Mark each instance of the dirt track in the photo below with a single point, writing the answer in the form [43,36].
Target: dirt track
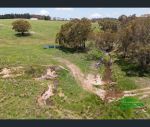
[82,80]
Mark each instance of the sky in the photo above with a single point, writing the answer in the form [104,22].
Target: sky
[78,12]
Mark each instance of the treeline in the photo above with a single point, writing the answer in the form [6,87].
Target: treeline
[128,37]
[25,16]
[98,19]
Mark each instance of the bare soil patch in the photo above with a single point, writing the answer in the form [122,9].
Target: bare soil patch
[95,79]
[11,72]
[42,99]
[50,74]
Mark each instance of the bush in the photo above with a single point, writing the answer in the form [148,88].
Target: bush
[123,82]
[102,69]
[113,111]
[94,54]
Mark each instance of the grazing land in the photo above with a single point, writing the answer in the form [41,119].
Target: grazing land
[19,94]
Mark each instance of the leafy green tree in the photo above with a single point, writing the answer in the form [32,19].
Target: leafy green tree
[74,33]
[21,26]
[135,41]
[109,25]
[106,41]
[107,38]
[126,19]
[125,38]
[141,41]
[123,19]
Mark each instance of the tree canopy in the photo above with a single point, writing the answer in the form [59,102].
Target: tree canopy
[129,37]
[21,26]
[74,33]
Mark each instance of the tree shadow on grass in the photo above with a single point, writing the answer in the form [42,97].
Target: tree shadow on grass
[72,50]
[132,69]
[22,35]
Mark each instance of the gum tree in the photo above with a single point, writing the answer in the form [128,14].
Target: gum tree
[21,26]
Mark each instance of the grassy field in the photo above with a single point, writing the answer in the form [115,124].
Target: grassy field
[28,51]
[18,95]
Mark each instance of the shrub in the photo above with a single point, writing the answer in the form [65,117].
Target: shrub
[94,54]
[123,82]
